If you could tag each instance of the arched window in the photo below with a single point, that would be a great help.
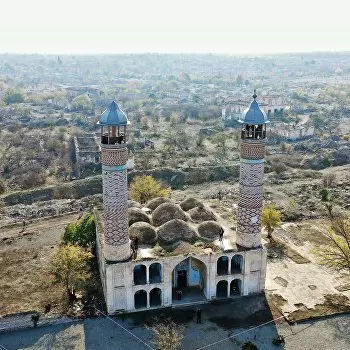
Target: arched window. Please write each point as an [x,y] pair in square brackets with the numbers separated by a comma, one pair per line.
[221,289]
[155,273]
[140,299]
[155,297]
[235,287]
[222,265]
[237,264]
[140,274]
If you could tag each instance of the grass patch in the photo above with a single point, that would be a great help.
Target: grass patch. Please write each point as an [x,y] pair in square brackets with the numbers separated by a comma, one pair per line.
[333,304]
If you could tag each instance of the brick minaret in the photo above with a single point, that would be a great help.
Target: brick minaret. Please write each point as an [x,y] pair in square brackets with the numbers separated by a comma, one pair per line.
[114,156]
[252,154]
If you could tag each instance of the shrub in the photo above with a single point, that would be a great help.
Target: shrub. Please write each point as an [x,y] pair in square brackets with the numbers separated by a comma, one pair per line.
[82,233]
[13,96]
[145,188]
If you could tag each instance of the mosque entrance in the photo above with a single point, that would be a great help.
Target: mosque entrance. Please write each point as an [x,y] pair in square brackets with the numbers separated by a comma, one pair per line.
[189,281]
[182,278]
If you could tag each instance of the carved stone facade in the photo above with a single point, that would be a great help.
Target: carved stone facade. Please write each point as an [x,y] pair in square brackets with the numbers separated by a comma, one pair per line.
[115,201]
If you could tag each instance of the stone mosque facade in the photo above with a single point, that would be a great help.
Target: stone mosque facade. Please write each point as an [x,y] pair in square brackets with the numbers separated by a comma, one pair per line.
[229,268]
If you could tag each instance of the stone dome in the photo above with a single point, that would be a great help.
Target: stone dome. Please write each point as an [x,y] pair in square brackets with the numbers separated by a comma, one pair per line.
[134,204]
[209,230]
[156,202]
[144,232]
[174,231]
[200,214]
[136,215]
[190,203]
[166,212]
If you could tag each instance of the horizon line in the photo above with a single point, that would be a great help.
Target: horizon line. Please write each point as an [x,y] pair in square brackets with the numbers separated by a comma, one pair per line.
[275,53]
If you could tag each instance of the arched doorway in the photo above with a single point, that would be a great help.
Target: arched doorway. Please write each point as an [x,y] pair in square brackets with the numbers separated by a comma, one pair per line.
[222,265]
[189,281]
[140,274]
[221,289]
[235,287]
[140,299]
[155,273]
[155,297]
[237,264]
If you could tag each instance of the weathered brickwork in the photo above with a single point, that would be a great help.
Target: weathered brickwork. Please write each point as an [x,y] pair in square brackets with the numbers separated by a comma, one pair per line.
[253,150]
[114,156]
[251,174]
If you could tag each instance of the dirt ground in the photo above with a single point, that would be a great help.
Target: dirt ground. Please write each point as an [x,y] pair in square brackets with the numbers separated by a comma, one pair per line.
[26,283]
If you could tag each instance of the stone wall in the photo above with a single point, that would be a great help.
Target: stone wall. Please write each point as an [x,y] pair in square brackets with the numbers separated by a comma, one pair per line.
[93,185]
[120,287]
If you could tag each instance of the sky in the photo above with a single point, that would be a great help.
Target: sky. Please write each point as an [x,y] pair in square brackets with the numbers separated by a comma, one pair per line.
[189,26]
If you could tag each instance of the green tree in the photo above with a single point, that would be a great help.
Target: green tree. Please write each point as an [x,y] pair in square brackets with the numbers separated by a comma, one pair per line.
[327,200]
[81,233]
[220,141]
[336,252]
[271,219]
[70,266]
[82,103]
[13,96]
[144,188]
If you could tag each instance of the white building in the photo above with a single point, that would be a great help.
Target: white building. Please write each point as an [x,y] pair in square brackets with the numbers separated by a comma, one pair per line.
[188,273]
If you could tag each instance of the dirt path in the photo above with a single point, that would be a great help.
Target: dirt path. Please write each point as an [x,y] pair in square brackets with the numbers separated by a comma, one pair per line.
[37,226]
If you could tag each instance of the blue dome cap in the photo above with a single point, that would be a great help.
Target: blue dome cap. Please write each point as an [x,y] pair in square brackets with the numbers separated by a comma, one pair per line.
[113,116]
[253,114]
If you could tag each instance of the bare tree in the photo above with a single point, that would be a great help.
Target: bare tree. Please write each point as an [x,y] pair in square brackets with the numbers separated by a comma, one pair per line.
[167,334]
[336,252]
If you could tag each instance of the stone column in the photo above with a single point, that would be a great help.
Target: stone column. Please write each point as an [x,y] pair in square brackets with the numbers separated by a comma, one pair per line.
[250,199]
[147,274]
[115,201]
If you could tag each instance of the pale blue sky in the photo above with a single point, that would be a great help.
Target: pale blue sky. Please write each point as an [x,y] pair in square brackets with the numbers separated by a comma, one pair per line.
[220,26]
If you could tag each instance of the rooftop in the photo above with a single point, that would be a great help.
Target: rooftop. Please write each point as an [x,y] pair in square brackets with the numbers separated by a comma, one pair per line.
[113,116]
[253,114]
[182,246]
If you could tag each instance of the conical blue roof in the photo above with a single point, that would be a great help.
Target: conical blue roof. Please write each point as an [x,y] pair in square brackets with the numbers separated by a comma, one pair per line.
[253,114]
[113,116]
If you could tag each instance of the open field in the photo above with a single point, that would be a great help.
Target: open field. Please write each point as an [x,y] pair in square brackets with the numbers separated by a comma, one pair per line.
[24,266]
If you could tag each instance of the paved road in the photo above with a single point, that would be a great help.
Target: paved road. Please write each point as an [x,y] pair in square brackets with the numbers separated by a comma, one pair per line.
[97,334]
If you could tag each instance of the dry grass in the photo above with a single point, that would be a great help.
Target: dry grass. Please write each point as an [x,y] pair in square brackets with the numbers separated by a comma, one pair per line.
[27,283]
[333,304]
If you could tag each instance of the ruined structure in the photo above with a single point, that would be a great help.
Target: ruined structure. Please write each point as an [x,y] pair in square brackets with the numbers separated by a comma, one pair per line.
[173,261]
[271,104]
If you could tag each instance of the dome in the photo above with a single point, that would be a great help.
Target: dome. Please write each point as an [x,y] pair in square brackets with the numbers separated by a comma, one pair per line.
[209,230]
[113,116]
[166,212]
[253,114]
[174,231]
[144,232]
[137,215]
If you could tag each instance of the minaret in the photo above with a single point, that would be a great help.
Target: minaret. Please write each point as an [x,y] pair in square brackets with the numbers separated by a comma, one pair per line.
[252,154]
[114,156]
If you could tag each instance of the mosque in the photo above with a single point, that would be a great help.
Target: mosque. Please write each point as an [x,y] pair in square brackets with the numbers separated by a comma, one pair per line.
[180,258]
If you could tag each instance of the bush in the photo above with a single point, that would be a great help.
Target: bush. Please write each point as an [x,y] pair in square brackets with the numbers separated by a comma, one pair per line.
[13,96]
[249,346]
[145,188]
[2,186]
[83,233]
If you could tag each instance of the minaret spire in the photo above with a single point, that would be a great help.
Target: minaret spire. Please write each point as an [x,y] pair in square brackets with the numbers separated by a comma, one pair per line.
[252,154]
[114,156]
[255,95]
